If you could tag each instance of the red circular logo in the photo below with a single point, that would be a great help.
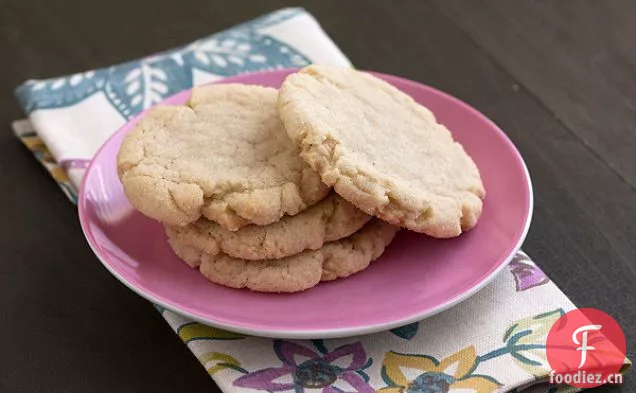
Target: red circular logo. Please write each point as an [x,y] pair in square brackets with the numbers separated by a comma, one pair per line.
[585,349]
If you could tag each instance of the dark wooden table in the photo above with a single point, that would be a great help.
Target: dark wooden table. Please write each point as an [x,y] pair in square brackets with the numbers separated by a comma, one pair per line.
[558,76]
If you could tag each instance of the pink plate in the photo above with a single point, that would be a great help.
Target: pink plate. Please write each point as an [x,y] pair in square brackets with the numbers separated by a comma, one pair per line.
[415,278]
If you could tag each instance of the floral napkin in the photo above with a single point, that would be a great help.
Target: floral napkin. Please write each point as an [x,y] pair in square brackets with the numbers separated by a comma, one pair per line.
[494,341]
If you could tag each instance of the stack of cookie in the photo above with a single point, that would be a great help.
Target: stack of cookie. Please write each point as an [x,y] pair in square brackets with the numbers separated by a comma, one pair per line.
[275,190]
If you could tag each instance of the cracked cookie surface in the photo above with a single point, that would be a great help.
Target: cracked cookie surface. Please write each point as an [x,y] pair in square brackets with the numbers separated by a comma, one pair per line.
[224,156]
[299,272]
[330,219]
[381,150]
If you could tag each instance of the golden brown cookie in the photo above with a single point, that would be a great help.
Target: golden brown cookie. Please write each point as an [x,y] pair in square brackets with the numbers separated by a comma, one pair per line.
[381,150]
[299,272]
[224,156]
[330,219]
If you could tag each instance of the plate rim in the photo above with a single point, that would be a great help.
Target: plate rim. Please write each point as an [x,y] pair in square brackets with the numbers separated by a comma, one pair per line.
[319,333]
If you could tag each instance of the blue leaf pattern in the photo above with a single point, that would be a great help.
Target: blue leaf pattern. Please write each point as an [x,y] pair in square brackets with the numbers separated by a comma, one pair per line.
[226,54]
[59,92]
[134,86]
[406,332]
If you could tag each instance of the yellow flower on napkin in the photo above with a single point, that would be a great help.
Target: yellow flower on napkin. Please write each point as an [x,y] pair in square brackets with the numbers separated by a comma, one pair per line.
[419,373]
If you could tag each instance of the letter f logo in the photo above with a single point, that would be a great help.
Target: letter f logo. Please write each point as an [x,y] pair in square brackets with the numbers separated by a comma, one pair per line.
[584,347]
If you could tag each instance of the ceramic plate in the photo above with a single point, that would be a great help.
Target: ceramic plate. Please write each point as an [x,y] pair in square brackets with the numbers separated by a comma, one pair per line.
[414,279]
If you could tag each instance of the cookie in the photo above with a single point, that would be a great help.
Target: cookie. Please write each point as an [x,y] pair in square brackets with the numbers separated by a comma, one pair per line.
[224,156]
[330,219]
[381,150]
[299,272]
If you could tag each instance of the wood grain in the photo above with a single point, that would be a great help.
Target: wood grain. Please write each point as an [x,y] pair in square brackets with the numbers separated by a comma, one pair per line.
[557,77]
[576,56]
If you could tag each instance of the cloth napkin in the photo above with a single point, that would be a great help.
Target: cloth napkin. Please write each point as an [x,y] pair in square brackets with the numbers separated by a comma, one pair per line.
[494,341]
